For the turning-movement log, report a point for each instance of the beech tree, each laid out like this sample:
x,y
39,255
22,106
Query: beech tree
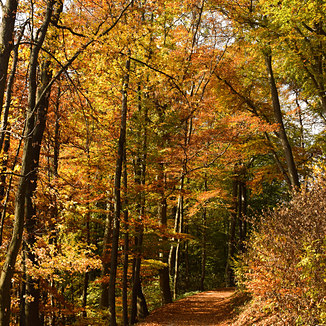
x,y
136,137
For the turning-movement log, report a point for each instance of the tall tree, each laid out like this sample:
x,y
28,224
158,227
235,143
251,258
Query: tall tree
x,y
24,192
9,10
117,195
279,119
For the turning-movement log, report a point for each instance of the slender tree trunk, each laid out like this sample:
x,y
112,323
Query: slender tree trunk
x,y
172,248
53,173
32,285
186,260
28,166
164,256
204,240
203,251
88,216
229,279
117,198
244,210
104,300
126,246
6,43
22,317
138,307
138,302
86,275
293,173
178,224
240,213
5,137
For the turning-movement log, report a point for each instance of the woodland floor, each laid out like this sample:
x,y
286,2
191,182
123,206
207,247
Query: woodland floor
x,y
205,309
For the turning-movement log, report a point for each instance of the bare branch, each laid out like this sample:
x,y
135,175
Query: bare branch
x,y
77,53
69,29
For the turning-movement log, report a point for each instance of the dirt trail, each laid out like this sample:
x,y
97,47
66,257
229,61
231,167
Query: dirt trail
x,y
205,309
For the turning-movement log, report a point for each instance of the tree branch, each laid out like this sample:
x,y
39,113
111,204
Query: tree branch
x,y
76,55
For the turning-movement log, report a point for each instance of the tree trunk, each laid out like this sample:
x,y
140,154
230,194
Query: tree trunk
x,y
5,137
139,229
86,275
22,317
126,247
138,302
293,173
203,251
28,166
104,300
117,198
179,225
204,240
6,43
164,256
32,285
166,295
229,278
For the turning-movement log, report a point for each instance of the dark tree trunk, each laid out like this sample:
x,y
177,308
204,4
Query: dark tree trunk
x,y
136,281
179,226
138,302
164,256
104,300
204,240
32,285
126,247
229,277
86,275
85,289
293,173
5,136
164,253
27,170
203,251
6,43
117,198
22,317
172,248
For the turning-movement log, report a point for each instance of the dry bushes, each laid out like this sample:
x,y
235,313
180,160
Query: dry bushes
x,y
285,265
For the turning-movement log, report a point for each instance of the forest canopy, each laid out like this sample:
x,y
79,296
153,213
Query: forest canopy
x,y
143,144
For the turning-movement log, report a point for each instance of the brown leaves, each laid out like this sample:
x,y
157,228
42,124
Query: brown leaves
x,y
286,257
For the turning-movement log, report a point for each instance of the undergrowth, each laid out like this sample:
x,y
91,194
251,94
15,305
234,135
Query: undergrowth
x,y
284,267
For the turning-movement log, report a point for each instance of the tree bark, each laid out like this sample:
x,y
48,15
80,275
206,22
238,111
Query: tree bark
x,y
6,43
204,240
229,278
117,198
5,137
138,302
293,173
27,171
32,285
178,228
164,256
104,300
126,247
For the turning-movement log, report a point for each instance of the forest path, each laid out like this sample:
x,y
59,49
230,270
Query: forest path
x,y
205,309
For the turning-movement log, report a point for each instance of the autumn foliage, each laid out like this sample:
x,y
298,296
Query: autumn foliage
x,y
136,139
284,267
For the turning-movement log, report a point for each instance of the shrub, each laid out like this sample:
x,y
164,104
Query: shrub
x,y
285,262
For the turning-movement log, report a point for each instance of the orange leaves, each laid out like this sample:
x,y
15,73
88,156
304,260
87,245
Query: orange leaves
x,y
202,200
67,257
285,259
